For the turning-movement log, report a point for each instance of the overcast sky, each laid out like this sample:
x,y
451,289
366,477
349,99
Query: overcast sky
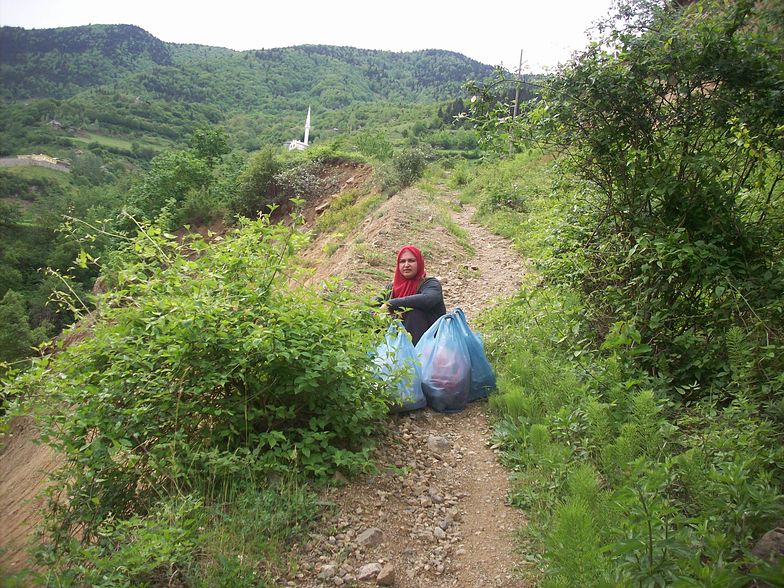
x,y
490,31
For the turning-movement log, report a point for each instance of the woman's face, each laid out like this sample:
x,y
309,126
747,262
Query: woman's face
x,y
408,265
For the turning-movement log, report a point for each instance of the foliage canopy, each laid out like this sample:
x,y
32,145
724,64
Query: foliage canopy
x,y
204,367
673,125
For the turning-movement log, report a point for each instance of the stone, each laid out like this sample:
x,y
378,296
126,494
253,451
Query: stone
x,y
370,537
386,577
368,572
438,444
770,547
439,533
328,571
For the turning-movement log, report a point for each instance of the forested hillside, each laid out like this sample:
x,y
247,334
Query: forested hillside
x,y
119,80
59,63
124,109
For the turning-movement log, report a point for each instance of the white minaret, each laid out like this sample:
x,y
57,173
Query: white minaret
x,y
307,127
301,145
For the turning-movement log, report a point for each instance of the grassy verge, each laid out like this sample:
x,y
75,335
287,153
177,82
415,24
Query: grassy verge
x,y
624,483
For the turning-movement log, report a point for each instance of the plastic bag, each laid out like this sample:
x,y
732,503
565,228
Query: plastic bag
x,y
482,376
396,357
446,365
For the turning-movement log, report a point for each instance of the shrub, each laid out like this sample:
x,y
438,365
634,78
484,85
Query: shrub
x,y
406,167
299,181
375,145
204,365
257,188
409,165
200,207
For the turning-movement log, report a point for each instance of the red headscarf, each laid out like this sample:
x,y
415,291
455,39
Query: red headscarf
x,y
400,285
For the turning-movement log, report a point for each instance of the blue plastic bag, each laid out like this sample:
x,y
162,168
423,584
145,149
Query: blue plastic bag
x,y
396,357
446,365
482,376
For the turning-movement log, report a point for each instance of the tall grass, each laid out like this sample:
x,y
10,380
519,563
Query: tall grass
x,y
624,485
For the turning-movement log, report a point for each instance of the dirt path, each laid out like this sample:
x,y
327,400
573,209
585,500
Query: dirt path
x,y
435,514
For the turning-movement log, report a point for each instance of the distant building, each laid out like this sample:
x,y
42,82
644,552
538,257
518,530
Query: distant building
x,y
40,157
296,145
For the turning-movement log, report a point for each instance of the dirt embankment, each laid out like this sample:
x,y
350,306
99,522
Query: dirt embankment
x,y
24,466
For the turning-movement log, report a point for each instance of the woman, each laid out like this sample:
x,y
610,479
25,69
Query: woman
x,y
418,297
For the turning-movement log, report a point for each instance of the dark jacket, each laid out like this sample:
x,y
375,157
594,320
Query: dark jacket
x,y
425,307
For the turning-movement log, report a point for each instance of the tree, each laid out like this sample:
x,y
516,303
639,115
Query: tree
x,y
171,176
89,169
672,121
9,214
674,125
16,337
209,144
257,187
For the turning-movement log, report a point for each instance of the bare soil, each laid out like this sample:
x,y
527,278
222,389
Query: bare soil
x,y
24,466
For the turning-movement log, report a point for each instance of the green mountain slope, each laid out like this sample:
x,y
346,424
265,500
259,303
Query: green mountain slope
x,y
120,81
59,63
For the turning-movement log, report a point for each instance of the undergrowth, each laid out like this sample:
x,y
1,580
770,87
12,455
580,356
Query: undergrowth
x,y
625,483
207,394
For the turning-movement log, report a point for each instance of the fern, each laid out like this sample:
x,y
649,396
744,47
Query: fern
x,y
573,547
539,439
648,423
739,356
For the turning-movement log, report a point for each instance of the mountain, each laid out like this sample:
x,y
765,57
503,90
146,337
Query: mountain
x,y
60,63
60,88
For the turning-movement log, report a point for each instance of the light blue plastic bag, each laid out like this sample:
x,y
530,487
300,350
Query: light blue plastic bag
x,y
446,365
396,357
482,376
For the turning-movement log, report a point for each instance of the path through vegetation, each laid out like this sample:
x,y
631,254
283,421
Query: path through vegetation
x,y
435,514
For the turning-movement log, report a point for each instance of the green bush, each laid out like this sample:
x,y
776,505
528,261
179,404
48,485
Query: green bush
x,y
374,144
300,180
676,223
199,207
409,165
257,189
405,168
204,365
